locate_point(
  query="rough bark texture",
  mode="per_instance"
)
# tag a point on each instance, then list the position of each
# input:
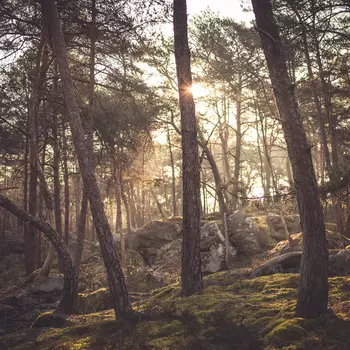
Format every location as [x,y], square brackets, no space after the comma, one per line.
[119,294]
[89,128]
[66,188]
[238,147]
[70,289]
[313,292]
[191,274]
[30,238]
[219,186]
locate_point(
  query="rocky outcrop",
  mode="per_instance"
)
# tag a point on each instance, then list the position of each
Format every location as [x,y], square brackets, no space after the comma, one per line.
[168,258]
[213,248]
[21,305]
[152,237]
[294,243]
[282,226]
[243,233]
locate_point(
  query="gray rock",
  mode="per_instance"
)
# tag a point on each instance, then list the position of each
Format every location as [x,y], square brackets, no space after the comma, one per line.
[243,234]
[53,282]
[213,248]
[276,226]
[339,264]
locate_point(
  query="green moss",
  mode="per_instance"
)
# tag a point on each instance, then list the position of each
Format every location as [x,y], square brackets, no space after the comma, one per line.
[231,313]
[287,332]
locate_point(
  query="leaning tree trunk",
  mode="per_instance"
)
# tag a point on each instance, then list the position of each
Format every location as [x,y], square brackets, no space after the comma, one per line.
[191,275]
[119,293]
[313,292]
[70,288]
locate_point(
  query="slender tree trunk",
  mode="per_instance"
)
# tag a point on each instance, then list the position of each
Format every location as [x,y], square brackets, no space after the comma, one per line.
[118,196]
[119,293]
[127,208]
[56,166]
[118,223]
[173,179]
[31,237]
[191,275]
[313,292]
[25,194]
[66,187]
[238,146]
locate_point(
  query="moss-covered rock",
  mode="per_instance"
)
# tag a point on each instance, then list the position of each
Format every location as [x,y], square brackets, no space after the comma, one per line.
[98,300]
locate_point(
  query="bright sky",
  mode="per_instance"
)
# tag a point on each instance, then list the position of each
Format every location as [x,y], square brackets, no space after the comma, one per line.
[227,8]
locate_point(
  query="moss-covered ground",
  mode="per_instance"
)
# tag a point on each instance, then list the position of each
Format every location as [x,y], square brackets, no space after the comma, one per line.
[232,313]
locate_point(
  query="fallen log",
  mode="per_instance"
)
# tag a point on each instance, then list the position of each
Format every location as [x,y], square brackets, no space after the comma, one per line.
[279,264]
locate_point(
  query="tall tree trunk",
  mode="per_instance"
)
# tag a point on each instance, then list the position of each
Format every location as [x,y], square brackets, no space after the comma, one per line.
[119,293]
[118,196]
[219,186]
[313,291]
[89,127]
[119,222]
[56,165]
[31,236]
[238,146]
[25,194]
[66,187]
[191,275]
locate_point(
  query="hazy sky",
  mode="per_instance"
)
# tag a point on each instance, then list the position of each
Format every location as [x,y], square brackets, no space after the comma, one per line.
[227,8]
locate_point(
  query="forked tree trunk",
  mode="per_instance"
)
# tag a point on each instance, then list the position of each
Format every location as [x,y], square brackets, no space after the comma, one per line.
[70,288]
[313,291]
[119,293]
[191,275]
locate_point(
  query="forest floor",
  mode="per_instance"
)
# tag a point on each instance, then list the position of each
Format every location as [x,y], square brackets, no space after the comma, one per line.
[234,312]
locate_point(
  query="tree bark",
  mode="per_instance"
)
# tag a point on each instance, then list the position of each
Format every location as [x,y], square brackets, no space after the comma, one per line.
[89,128]
[66,187]
[70,289]
[173,179]
[119,293]
[238,146]
[191,274]
[313,291]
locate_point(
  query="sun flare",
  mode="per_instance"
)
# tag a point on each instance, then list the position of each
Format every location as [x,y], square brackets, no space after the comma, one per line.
[199,90]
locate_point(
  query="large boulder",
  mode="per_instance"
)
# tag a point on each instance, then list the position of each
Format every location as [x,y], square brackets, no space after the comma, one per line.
[141,278]
[339,264]
[95,301]
[294,243]
[277,226]
[153,236]
[22,304]
[213,248]
[168,259]
[282,226]
[244,235]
